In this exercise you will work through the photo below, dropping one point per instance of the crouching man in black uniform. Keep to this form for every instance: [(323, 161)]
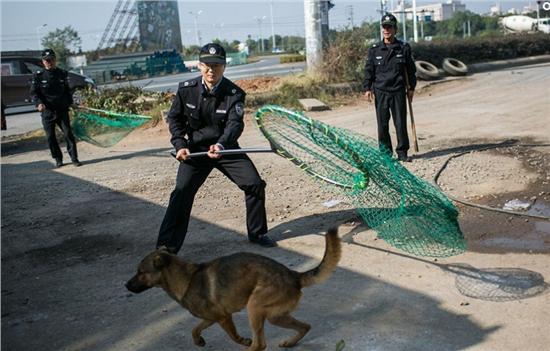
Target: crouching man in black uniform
[(207, 115), (387, 63), (52, 96)]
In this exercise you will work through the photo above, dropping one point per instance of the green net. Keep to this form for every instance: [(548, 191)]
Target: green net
[(406, 211), (104, 128)]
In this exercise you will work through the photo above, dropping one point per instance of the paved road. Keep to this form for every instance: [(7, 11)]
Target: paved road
[(267, 66), (21, 120)]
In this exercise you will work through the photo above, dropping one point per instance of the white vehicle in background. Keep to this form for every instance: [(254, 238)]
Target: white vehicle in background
[(544, 25), (523, 24)]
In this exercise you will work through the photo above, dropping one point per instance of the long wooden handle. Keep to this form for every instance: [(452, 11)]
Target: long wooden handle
[(413, 126)]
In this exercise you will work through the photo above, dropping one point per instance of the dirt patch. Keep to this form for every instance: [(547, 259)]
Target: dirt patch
[(494, 179), (258, 85), (72, 236)]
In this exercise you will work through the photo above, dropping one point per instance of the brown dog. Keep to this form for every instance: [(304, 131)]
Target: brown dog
[(215, 290)]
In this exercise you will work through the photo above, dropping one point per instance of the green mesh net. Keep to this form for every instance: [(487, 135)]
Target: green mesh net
[(406, 211), (104, 128)]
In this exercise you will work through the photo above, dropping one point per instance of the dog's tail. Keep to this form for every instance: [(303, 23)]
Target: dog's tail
[(333, 251)]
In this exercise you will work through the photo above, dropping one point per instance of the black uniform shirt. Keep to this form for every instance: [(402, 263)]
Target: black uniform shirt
[(51, 88), (385, 67), (198, 118)]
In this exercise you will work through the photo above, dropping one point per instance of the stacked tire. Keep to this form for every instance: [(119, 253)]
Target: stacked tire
[(451, 66), (455, 67), (426, 71)]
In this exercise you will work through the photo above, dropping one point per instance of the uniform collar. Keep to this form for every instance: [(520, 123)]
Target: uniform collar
[(204, 89)]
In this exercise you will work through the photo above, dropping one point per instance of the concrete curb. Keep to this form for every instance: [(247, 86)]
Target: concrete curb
[(495, 65)]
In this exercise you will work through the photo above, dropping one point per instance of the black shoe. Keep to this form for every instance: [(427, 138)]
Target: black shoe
[(58, 162), (263, 240), (404, 158), (77, 163)]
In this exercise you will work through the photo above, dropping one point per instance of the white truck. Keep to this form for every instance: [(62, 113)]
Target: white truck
[(525, 24)]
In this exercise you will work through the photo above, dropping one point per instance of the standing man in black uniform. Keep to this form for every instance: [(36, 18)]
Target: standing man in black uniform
[(207, 115), (387, 63), (52, 96)]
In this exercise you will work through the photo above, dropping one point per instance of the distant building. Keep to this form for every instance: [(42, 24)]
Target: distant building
[(434, 12)]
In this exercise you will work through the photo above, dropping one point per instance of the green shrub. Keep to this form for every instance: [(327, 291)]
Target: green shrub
[(127, 100), (292, 58), (345, 58), (483, 48)]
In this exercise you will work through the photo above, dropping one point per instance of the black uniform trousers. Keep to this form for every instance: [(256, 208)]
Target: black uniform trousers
[(60, 118), (191, 175), (396, 103)]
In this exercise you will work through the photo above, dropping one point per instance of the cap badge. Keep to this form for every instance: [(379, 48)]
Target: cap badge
[(212, 51)]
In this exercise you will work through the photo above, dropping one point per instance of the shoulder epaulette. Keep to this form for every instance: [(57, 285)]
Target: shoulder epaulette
[(232, 88), (188, 83)]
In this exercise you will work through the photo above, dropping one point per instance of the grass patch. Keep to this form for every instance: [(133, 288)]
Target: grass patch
[(292, 58)]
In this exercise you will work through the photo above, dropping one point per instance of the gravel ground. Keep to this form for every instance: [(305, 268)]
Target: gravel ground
[(72, 236)]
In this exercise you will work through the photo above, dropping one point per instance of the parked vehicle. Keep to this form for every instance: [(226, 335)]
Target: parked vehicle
[(17, 71), (520, 23)]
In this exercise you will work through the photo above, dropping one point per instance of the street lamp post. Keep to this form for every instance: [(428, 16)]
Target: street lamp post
[(260, 20), (38, 34), (195, 18), (272, 27)]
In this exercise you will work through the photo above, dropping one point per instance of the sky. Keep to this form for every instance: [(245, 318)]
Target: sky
[(24, 21)]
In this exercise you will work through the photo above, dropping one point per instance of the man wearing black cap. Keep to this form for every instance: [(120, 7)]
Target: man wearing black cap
[(52, 96), (387, 64), (207, 115)]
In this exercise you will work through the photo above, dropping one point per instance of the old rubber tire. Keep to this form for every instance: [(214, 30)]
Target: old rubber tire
[(455, 67), (426, 71)]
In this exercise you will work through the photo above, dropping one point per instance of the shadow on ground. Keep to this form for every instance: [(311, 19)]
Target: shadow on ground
[(65, 261)]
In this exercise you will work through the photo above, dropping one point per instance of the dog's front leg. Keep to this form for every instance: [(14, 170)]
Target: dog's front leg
[(197, 338), (257, 320), (227, 324)]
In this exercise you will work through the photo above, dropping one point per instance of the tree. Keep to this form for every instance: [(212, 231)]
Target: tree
[(64, 42), (229, 48), (191, 51)]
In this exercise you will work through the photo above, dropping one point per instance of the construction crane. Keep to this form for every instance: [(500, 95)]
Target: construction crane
[(125, 11), (109, 24), (121, 17)]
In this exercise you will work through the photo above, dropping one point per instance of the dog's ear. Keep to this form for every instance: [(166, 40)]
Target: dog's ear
[(161, 259)]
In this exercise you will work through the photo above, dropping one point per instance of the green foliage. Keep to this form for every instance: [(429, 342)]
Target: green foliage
[(483, 48), (127, 100), (344, 58), (229, 47), (289, 44), (64, 42), (191, 51), (292, 58)]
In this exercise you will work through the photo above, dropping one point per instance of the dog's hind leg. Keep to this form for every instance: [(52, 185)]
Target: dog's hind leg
[(256, 318), (227, 324), (289, 322), (197, 338)]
